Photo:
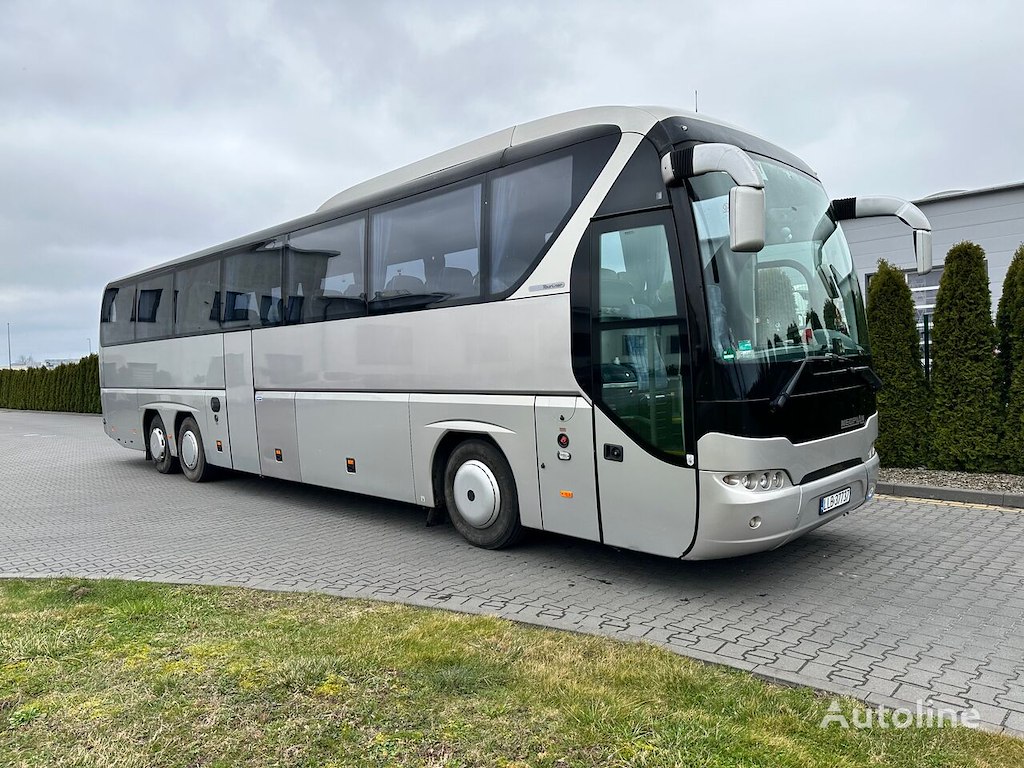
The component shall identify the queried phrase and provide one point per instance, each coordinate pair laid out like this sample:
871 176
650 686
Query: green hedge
73 387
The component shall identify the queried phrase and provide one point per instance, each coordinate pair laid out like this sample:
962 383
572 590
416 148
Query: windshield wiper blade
780 400
868 374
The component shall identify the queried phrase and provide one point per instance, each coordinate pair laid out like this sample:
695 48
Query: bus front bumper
736 521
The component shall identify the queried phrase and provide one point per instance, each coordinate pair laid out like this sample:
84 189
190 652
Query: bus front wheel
190 451
480 494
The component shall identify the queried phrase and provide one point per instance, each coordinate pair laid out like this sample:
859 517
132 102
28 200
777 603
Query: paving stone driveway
899 602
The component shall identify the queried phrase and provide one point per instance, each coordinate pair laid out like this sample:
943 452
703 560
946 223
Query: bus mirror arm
883 205
746 197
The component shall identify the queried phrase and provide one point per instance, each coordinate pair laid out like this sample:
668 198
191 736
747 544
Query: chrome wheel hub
188 449
157 444
477 497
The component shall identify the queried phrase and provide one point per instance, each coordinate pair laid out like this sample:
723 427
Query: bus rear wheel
191 453
159 450
480 494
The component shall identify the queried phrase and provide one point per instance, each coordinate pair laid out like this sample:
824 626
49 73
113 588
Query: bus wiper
780 400
864 371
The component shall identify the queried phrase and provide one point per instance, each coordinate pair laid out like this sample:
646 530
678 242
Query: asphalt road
899 602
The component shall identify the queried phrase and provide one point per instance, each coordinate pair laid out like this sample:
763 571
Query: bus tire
480 494
190 451
159 449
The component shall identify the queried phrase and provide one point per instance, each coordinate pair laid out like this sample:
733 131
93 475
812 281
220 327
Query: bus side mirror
908 213
746 219
923 250
746 196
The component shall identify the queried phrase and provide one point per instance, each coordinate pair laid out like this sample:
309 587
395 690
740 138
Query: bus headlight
871 452
773 479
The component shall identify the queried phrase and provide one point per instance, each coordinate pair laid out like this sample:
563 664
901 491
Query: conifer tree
895 351
1011 321
966 414
1010 333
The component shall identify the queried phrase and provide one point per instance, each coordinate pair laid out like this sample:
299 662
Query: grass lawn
125 674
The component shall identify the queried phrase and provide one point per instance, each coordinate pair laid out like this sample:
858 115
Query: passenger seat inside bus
455 282
270 310
618 297
404 284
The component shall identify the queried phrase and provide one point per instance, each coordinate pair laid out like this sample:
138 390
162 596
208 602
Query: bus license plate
834 500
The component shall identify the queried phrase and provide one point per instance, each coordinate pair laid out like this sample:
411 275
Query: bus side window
197 298
116 315
428 247
531 200
251 283
107 310
325 279
640 362
528 203
155 305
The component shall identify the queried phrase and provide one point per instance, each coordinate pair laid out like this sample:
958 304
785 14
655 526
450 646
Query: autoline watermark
924 715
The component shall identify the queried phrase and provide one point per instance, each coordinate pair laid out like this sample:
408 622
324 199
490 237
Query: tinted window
116 315
197 298
640 365
636 274
428 250
325 272
252 287
154 309
107 307
528 202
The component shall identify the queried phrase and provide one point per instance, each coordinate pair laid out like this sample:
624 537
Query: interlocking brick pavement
900 601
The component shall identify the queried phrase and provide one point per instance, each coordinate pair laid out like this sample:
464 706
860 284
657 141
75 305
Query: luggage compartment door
565 464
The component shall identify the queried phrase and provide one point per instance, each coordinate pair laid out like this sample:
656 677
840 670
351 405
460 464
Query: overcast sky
135 132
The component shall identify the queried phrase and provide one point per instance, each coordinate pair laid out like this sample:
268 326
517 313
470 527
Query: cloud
132 133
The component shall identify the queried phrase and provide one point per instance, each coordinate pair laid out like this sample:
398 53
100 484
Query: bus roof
639 119
627 119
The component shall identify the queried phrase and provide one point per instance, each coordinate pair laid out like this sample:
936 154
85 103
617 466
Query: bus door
640 363
241 405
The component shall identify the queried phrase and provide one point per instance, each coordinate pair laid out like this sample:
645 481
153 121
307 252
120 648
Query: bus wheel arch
478 489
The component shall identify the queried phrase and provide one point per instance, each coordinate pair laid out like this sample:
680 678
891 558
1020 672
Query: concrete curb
993 498
49 413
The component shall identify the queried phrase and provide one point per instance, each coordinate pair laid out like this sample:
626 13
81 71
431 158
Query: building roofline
958 193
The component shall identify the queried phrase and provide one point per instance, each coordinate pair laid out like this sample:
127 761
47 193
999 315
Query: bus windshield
798 296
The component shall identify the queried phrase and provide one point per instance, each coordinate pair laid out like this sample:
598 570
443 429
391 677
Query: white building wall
994 219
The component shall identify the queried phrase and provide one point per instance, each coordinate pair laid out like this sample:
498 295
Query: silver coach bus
637 326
